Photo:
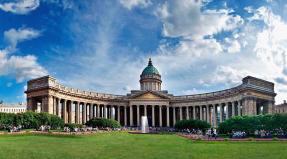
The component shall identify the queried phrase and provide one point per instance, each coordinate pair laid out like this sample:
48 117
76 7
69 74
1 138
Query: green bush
250 124
6 120
103 123
30 120
192 124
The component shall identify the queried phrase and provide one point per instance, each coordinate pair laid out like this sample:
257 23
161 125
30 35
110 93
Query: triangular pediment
149 96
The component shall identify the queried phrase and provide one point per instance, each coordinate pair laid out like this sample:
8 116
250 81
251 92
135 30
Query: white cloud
234 46
201 63
130 4
186 19
271 43
20 6
271 47
13 36
19 67
228 76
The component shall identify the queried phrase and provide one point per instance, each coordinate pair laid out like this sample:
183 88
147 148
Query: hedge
103 123
250 124
192 124
30 120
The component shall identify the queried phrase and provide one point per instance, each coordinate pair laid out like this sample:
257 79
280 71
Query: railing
211 94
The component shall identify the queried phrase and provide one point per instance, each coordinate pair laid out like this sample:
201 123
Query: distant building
13 108
281 108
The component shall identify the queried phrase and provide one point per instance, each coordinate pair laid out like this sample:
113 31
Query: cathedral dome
150 69
150 78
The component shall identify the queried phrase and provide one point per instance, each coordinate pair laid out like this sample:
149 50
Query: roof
150 69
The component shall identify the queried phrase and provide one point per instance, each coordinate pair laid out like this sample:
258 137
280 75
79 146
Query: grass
119 145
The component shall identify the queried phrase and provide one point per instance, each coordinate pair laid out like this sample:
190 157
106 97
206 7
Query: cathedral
252 97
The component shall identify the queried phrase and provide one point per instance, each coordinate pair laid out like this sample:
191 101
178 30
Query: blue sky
198 46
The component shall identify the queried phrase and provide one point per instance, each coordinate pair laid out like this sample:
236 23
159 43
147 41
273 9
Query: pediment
149 96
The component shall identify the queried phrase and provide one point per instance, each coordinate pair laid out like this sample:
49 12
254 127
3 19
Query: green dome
150 69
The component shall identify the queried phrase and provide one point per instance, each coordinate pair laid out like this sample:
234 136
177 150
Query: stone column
239 109
187 113
200 112
167 116
64 110
138 115
77 112
87 112
233 109
145 110
131 116
30 104
70 112
194 109
270 107
160 115
174 118
59 112
47 104
54 106
126 121
220 118
113 112
227 111
119 114
84 113
207 114
91 111
180 113
105 112
153 119
98 111
74 117
214 115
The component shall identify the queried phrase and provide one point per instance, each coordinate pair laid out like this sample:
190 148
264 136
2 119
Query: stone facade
281 108
254 96
13 108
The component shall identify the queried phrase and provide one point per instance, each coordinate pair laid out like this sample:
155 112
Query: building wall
12 108
281 108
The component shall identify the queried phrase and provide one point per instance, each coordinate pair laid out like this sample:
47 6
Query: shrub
103 123
192 124
6 120
30 120
56 122
276 123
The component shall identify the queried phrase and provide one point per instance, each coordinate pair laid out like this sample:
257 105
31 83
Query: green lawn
130 146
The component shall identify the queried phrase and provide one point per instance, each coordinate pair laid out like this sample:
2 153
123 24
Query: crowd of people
14 128
211 133
44 128
238 134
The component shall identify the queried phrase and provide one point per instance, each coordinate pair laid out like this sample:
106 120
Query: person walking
215 134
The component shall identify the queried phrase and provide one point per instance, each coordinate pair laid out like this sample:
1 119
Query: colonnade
158 115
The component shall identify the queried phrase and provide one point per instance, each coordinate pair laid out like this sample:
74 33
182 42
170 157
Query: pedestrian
215 134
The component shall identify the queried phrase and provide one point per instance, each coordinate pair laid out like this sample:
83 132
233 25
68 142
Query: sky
198 46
